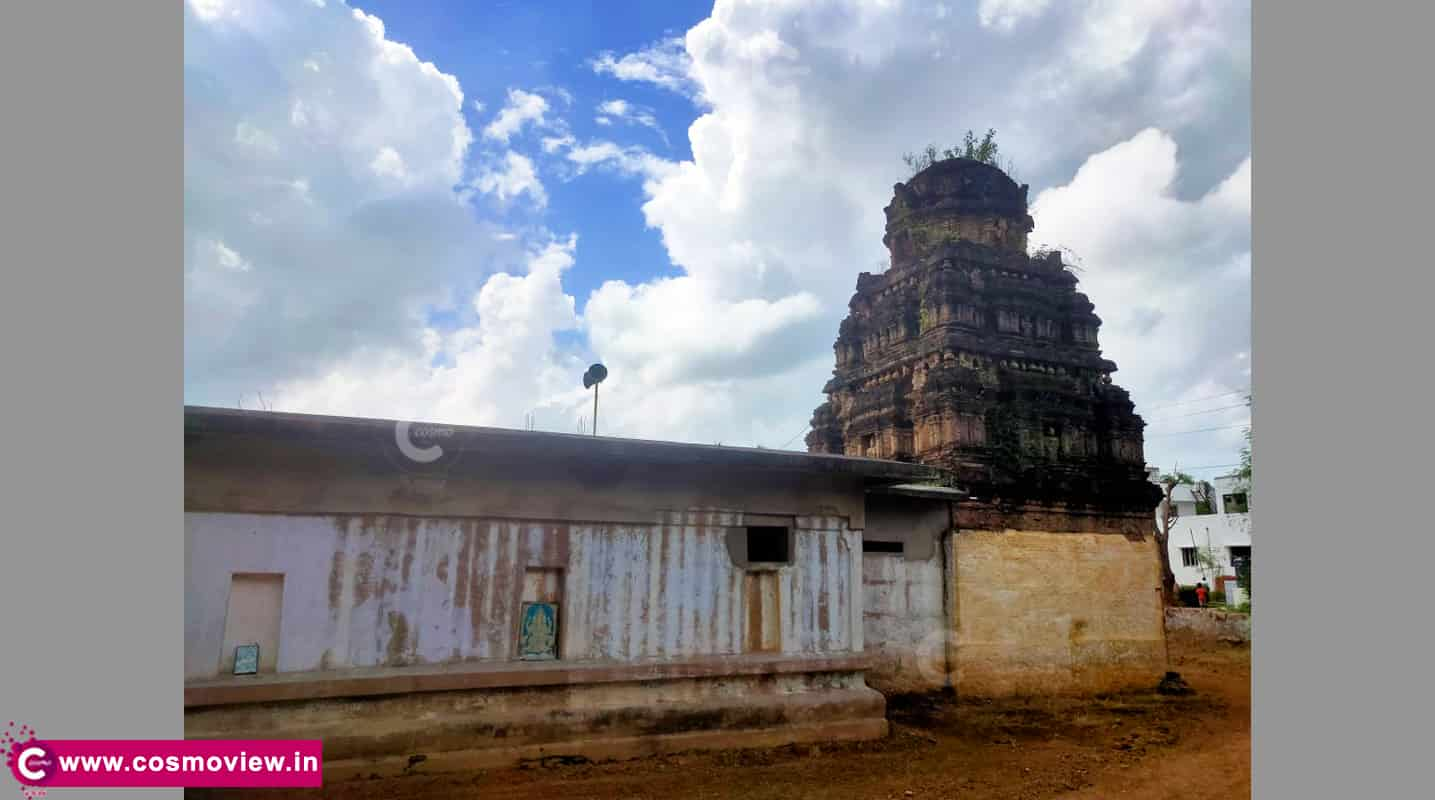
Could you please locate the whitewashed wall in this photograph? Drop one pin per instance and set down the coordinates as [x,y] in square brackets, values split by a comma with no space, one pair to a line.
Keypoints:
[369,590]
[903,615]
[1216,531]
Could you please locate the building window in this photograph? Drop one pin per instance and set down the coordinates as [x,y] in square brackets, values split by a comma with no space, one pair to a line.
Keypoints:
[767,544]
[869,546]
[1235,503]
[1188,557]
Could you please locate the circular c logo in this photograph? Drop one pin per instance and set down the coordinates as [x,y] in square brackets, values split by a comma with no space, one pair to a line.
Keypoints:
[423,455]
[35,763]
[422,448]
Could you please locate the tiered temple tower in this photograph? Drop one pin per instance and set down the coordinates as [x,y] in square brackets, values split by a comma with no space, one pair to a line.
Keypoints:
[970,354]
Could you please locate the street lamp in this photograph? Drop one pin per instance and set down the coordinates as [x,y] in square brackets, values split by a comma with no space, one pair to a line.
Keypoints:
[593,377]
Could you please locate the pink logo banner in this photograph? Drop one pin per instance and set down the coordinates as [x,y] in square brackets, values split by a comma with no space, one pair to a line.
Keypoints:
[158,763]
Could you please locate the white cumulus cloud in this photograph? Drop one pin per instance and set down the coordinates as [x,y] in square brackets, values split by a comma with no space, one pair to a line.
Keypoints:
[491,373]
[1129,120]
[627,112]
[310,236]
[523,108]
[808,109]
[515,176]
[1007,14]
[664,63]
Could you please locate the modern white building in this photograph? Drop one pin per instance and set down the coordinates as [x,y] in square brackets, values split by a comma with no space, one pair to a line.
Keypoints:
[1208,546]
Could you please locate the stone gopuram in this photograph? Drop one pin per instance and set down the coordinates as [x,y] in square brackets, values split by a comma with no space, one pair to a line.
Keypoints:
[970,354]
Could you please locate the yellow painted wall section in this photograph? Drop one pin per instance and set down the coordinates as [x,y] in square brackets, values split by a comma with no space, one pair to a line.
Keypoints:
[1050,612]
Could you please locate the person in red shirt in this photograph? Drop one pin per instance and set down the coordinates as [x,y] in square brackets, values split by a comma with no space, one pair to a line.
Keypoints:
[1201,593]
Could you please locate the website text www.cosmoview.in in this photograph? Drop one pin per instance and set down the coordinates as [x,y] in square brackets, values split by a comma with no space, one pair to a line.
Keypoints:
[166,763]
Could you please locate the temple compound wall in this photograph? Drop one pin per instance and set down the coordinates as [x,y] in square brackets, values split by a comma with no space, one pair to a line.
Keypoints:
[1052,611]
[990,610]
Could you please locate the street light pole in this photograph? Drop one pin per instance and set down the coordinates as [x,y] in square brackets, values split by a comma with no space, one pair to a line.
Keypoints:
[593,377]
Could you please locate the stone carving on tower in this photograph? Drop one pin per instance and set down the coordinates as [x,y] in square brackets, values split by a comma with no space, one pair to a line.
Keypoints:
[970,354]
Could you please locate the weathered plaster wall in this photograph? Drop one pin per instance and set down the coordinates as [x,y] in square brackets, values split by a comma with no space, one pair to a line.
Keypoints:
[1042,612]
[376,590]
[903,621]
[902,594]
[387,568]
[402,587]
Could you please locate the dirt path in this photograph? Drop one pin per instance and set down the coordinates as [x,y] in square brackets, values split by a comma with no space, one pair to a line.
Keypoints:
[1219,762]
[1137,745]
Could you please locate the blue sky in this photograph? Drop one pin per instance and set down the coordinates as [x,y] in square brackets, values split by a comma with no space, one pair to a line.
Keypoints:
[445,211]
[493,46]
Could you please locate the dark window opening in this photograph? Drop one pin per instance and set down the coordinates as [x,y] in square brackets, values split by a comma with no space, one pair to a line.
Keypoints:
[869,546]
[1241,560]
[767,544]
[1188,557]
[1235,503]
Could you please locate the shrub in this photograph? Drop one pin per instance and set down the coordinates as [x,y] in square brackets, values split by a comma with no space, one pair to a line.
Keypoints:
[1186,596]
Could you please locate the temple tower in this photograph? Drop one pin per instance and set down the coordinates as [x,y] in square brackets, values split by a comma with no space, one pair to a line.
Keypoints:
[971,354]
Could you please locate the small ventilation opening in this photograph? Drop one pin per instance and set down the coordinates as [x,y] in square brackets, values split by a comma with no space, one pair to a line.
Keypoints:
[767,544]
[869,546]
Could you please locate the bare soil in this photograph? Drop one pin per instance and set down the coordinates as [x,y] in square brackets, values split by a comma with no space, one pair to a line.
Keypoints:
[1138,744]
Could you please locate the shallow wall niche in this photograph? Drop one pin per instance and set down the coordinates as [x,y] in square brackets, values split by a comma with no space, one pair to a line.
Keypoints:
[541,614]
[252,618]
[762,599]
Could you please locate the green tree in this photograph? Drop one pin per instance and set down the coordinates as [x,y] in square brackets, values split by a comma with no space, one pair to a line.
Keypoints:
[1168,482]
[1205,495]
[984,150]
[1203,492]
[1178,478]
[1209,560]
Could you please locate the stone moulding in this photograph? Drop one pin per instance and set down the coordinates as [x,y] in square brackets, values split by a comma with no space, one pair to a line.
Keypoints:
[298,686]
[973,515]
[591,712]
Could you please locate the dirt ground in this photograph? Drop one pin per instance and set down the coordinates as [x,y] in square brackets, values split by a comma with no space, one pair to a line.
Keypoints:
[1142,745]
